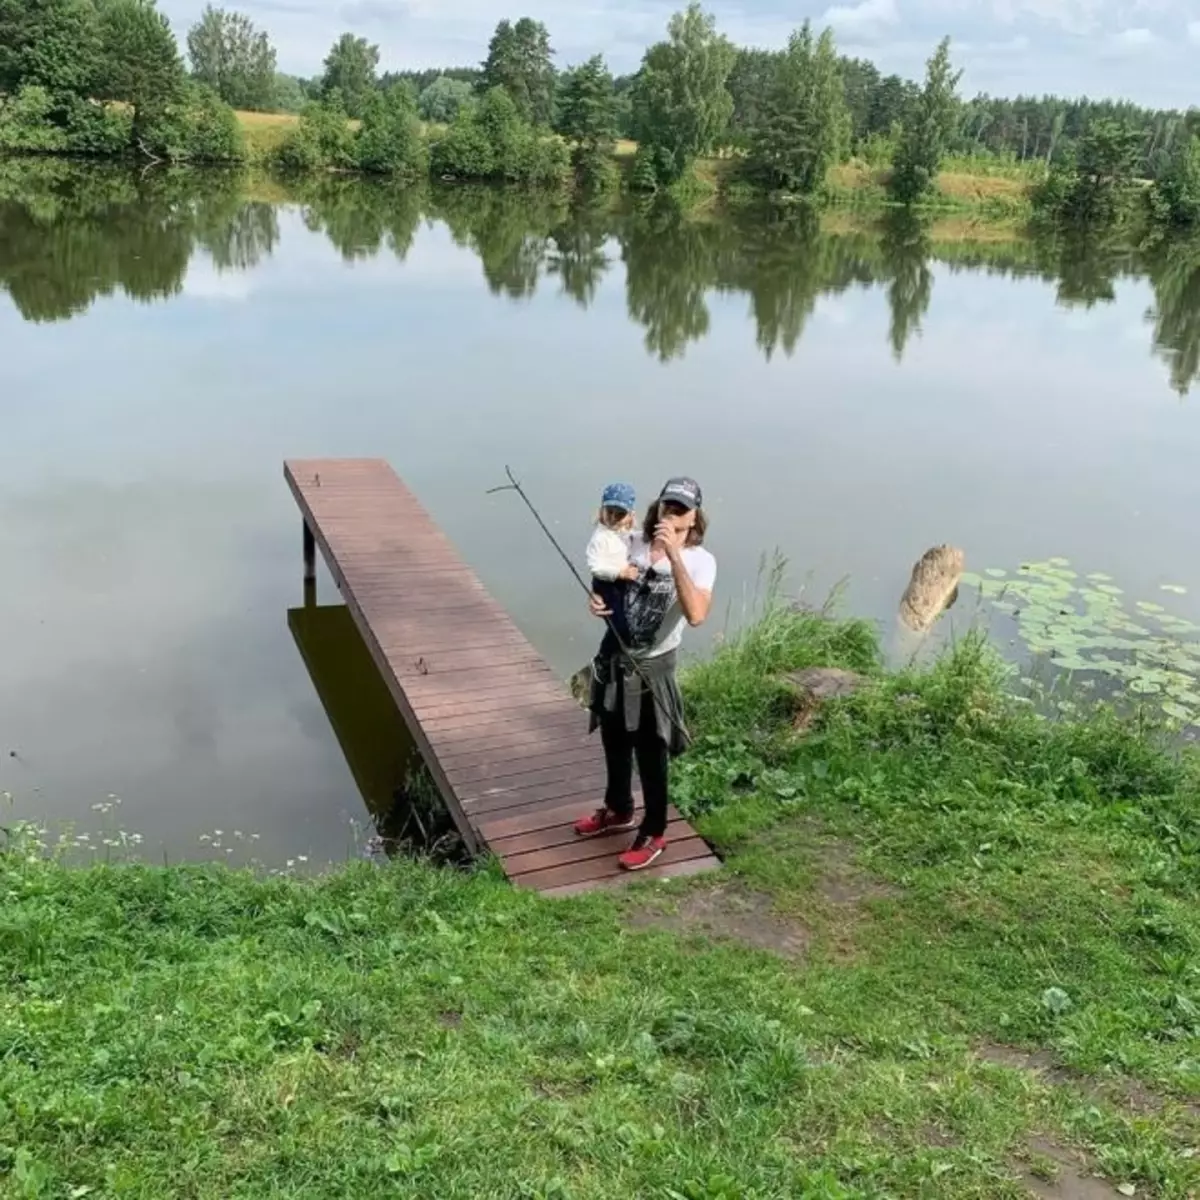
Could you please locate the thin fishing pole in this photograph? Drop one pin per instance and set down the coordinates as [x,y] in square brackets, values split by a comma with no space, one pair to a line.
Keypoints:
[514,485]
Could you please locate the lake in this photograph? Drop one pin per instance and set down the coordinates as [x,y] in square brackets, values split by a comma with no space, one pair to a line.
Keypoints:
[847,397]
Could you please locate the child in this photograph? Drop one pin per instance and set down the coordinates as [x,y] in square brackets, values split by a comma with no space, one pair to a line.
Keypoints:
[608,553]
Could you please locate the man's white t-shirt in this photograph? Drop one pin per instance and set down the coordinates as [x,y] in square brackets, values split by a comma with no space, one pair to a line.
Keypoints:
[662,595]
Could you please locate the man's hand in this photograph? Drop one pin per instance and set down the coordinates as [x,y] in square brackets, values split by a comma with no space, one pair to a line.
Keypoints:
[598,607]
[670,539]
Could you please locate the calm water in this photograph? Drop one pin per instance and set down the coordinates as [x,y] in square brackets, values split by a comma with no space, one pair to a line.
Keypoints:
[849,399]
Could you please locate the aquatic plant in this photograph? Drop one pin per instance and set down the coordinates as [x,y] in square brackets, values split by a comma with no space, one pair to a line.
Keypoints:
[1085,623]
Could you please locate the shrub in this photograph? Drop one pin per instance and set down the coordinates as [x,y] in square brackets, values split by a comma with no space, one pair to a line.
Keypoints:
[543,160]
[26,125]
[209,128]
[464,152]
[322,140]
[490,141]
[95,129]
[391,142]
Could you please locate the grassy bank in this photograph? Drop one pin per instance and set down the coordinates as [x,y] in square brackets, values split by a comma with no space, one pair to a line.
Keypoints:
[996,190]
[952,954]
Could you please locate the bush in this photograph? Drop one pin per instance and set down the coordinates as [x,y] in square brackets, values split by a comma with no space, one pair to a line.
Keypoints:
[464,152]
[391,142]
[206,129]
[95,129]
[490,141]
[26,125]
[1174,199]
[543,160]
[322,140]
[36,121]
[653,167]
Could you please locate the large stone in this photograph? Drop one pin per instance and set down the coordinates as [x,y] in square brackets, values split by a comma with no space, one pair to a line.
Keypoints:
[932,588]
[813,686]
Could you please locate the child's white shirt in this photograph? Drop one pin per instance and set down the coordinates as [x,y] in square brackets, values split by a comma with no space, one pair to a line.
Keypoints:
[607,552]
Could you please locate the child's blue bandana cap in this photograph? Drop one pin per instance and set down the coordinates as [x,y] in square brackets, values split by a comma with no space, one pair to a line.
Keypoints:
[619,495]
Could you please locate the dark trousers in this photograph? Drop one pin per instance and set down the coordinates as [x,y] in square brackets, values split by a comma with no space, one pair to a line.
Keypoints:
[613,593]
[653,762]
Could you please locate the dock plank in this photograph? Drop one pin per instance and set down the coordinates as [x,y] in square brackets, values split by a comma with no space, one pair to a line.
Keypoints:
[503,739]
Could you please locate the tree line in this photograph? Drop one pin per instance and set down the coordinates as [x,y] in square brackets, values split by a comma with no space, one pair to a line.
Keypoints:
[98,76]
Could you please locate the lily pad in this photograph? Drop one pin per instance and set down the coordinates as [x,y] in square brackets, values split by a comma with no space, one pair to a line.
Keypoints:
[1177,711]
[1177,588]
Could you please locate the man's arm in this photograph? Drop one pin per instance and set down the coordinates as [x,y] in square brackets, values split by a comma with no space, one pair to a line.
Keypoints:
[694,601]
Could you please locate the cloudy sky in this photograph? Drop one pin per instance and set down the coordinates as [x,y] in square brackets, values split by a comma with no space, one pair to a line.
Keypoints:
[1147,50]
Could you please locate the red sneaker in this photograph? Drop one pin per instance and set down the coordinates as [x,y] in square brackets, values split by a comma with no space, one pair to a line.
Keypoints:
[604,820]
[642,853]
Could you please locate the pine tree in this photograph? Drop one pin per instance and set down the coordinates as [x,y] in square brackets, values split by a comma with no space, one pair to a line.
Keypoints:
[804,124]
[587,118]
[928,128]
[519,61]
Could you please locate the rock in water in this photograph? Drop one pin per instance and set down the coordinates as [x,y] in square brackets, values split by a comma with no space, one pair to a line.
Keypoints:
[932,588]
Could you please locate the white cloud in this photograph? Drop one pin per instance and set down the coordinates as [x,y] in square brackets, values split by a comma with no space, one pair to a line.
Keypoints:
[1139,38]
[1097,47]
[861,20]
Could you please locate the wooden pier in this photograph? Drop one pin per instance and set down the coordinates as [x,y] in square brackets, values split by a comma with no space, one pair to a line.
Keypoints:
[500,734]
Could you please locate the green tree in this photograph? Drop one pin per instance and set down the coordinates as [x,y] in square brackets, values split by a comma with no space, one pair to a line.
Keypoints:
[321,140]
[1175,197]
[52,44]
[233,58]
[928,127]
[519,60]
[587,119]
[290,96]
[681,104]
[804,125]
[390,142]
[441,101]
[140,63]
[350,70]
[490,141]
[861,82]
[1098,182]
[749,82]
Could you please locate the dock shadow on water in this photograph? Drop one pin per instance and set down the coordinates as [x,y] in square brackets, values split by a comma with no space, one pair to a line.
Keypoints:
[402,801]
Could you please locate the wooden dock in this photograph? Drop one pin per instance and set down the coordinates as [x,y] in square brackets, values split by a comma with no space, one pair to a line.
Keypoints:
[500,734]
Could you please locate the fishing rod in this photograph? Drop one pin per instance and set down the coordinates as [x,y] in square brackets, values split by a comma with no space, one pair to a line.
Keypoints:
[514,485]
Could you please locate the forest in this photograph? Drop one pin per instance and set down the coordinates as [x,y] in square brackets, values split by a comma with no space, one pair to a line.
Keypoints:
[107,78]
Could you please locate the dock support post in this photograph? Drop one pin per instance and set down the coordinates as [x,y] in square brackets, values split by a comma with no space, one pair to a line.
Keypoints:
[310,568]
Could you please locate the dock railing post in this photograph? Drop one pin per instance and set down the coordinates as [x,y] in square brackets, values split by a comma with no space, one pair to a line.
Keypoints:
[310,568]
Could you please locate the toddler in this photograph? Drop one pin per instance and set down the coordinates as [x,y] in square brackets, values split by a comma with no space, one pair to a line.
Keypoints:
[608,553]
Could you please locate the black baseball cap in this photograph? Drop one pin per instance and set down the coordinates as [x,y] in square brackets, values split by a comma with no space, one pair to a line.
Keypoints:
[682,490]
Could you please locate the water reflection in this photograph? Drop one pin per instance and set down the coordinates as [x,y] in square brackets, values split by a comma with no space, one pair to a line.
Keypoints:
[370,731]
[69,235]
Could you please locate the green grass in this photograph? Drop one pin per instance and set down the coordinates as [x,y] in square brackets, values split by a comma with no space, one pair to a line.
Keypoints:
[967,877]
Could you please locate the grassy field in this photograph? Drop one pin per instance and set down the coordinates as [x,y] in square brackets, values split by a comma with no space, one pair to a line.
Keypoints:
[997,186]
[265,132]
[952,954]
